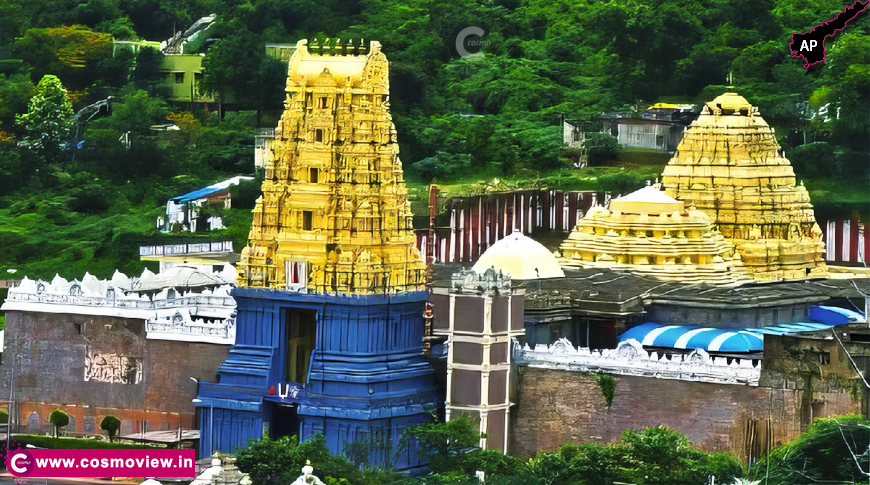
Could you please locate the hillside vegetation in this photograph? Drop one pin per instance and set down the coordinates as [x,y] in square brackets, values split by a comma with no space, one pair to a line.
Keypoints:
[459,120]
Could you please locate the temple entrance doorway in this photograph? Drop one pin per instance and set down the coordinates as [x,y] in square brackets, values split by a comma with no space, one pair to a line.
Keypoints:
[301,331]
[284,421]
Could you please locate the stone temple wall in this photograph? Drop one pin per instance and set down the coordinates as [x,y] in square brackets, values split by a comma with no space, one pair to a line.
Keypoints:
[555,407]
[104,363]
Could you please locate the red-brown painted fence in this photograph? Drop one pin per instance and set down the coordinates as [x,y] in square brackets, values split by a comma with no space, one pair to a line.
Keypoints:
[846,241]
[477,222]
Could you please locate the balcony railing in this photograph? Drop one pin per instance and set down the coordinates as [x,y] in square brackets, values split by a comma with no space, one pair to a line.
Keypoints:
[186,248]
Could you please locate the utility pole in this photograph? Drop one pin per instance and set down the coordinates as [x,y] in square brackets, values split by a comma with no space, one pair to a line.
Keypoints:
[11,405]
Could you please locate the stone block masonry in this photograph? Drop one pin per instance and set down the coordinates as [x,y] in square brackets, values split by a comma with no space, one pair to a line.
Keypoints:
[53,353]
[556,407]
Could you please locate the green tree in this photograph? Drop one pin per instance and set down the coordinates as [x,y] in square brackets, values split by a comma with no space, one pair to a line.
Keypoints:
[237,69]
[47,121]
[276,462]
[600,147]
[146,73]
[445,445]
[832,450]
[59,419]
[72,53]
[15,93]
[660,455]
[110,425]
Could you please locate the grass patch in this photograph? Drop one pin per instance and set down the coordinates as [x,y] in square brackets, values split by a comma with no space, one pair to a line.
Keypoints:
[74,443]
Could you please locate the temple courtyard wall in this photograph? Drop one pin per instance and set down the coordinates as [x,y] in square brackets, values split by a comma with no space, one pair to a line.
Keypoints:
[91,366]
[555,407]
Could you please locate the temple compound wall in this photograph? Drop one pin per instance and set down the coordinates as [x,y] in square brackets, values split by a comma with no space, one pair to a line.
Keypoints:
[737,405]
[555,407]
[93,365]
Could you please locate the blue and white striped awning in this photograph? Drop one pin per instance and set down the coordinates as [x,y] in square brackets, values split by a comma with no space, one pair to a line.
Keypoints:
[688,337]
[735,340]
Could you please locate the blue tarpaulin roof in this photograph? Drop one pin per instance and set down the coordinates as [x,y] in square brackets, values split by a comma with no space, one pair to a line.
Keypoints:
[734,340]
[197,194]
[211,189]
[834,315]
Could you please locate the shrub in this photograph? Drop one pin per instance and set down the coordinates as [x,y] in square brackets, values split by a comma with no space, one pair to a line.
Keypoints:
[73,443]
[110,425]
[4,416]
[59,418]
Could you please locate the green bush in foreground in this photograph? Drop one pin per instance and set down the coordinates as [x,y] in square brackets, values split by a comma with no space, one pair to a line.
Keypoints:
[72,443]
[110,425]
[59,419]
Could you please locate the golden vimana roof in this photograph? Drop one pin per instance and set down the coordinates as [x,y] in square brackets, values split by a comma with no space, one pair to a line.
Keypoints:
[334,216]
[649,233]
[730,166]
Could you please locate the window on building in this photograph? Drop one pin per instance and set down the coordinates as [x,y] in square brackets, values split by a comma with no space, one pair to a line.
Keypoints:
[78,327]
[312,175]
[318,136]
[307,220]
[824,357]
[297,272]
[323,102]
[179,78]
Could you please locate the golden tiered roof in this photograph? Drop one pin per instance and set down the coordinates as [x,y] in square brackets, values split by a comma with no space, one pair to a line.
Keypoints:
[334,216]
[648,232]
[730,166]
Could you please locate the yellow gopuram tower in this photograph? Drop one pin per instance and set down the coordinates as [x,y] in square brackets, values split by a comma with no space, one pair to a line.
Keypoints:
[334,216]
[729,165]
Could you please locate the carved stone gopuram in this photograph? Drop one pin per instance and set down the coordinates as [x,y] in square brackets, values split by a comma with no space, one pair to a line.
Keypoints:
[730,166]
[649,233]
[334,216]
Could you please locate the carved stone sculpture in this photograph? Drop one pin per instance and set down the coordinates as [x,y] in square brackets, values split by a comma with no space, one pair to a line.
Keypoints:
[336,145]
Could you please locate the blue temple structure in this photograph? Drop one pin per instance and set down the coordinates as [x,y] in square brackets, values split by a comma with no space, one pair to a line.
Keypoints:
[331,289]
[348,367]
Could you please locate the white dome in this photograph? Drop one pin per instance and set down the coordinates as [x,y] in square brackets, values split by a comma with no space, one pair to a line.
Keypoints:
[521,257]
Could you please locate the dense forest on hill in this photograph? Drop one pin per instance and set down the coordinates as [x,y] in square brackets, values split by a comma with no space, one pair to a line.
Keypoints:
[458,119]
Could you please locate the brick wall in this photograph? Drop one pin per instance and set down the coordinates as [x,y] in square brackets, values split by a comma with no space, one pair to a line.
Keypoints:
[49,351]
[555,407]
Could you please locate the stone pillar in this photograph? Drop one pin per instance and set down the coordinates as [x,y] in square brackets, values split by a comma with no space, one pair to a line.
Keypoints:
[482,325]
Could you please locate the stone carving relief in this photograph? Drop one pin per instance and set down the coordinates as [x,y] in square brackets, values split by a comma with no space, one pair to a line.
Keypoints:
[112,368]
